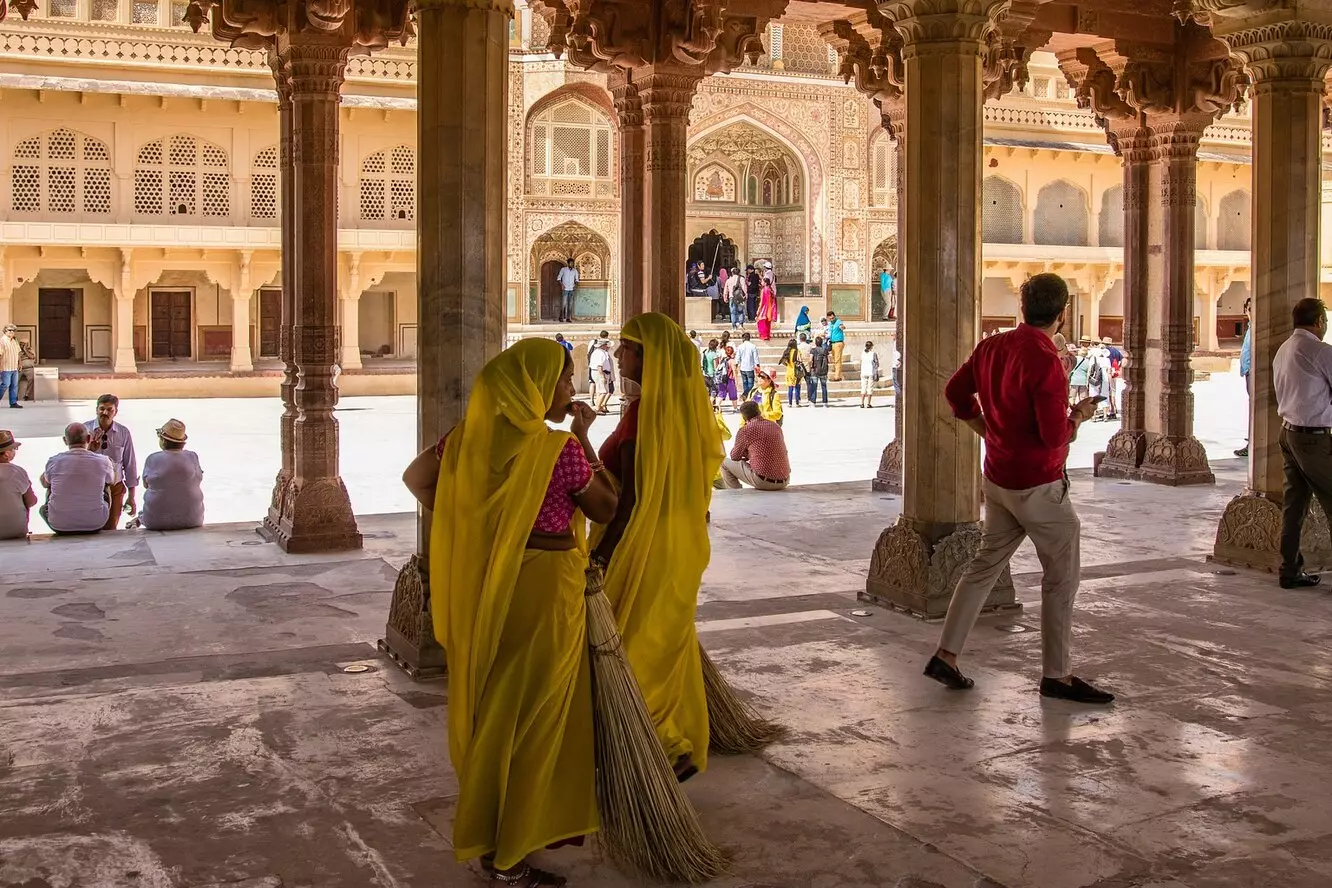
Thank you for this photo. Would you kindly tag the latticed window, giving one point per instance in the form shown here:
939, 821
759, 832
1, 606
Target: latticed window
61, 173
105, 10
571, 151
178, 8
1111, 225
1001, 212
883, 172
182, 176
388, 185
143, 12
1061, 216
61, 8
1199, 224
1233, 230
264, 185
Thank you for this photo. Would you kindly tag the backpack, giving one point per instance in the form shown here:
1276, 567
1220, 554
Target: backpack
818, 361
1095, 374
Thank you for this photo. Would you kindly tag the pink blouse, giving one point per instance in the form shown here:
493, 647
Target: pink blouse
571, 477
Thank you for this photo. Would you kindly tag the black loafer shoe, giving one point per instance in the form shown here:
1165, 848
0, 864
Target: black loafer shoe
1300, 581
946, 675
1076, 690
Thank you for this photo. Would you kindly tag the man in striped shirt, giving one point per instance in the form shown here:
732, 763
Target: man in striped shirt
758, 456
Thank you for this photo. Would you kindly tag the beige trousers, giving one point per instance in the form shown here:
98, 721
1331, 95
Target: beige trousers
735, 471
1046, 515
835, 361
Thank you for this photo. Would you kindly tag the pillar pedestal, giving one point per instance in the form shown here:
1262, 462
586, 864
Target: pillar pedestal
1288, 62
242, 361
912, 572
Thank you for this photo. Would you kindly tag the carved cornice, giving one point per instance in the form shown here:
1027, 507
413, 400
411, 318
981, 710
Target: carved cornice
628, 103
933, 21
869, 51
667, 96
711, 35
1293, 49
24, 8
362, 26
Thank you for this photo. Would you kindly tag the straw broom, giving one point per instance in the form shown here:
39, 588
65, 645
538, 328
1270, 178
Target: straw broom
647, 822
734, 728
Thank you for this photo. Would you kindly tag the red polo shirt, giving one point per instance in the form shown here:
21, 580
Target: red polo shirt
1015, 379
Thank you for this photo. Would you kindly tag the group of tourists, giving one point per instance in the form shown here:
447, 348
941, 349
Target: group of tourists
512, 500
96, 478
1094, 370
739, 298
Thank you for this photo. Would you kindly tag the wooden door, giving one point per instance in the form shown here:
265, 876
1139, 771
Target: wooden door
550, 290
171, 323
270, 322
55, 312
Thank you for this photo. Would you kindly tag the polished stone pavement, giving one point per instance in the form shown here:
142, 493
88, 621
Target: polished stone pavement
173, 713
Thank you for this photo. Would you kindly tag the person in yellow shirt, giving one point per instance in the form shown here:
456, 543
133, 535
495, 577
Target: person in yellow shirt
768, 398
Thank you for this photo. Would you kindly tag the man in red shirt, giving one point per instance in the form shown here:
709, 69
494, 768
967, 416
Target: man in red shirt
1013, 393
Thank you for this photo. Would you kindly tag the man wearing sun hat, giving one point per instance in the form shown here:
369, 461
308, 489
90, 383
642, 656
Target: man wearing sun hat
172, 483
16, 496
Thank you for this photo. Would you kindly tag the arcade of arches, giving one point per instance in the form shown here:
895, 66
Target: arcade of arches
814, 133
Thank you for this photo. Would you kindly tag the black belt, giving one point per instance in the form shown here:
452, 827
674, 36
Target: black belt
770, 480
1306, 430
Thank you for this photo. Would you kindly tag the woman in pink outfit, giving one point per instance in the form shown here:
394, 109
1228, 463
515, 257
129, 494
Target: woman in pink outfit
767, 311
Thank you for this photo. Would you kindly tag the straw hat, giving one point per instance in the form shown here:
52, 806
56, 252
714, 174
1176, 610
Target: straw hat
7, 441
1106, 340
173, 431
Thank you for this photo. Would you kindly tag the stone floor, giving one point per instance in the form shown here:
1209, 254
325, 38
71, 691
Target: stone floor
173, 713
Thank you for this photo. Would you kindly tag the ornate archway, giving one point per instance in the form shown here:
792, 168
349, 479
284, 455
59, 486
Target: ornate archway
883, 306
592, 258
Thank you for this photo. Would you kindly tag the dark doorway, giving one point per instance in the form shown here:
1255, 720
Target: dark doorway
170, 316
270, 322
715, 251
55, 315
550, 290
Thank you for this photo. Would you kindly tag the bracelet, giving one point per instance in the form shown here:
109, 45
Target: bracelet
596, 465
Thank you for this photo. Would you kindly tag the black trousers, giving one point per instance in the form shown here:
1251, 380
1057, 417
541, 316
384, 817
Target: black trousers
1307, 461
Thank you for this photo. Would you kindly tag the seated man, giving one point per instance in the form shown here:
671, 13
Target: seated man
758, 457
172, 497
16, 496
80, 485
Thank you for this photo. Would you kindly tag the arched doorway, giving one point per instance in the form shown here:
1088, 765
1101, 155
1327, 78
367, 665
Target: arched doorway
883, 306
716, 251
591, 256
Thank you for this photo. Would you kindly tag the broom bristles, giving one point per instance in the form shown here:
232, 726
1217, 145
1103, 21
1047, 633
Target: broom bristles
648, 824
734, 728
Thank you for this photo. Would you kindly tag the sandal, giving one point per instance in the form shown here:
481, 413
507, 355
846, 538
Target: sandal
530, 877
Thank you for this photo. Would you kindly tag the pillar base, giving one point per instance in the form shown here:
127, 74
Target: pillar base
1249, 535
316, 517
409, 636
1176, 462
124, 361
889, 477
909, 573
1123, 455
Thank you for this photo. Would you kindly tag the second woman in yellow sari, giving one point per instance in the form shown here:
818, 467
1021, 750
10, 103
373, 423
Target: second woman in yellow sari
664, 453
508, 556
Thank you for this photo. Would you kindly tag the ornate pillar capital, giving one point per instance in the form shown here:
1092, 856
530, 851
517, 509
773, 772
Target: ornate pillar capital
1293, 43
628, 103
944, 21
359, 25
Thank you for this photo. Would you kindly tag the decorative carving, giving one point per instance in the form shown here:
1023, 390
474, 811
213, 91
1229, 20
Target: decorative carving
889, 477
907, 572
24, 8
1176, 462
1123, 454
929, 21
1249, 535
409, 635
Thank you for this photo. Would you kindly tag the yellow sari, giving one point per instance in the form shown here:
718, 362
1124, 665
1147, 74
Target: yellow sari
655, 572
512, 621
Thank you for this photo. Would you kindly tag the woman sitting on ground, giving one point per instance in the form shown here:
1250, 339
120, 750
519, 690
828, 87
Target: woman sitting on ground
664, 454
769, 400
508, 551
172, 483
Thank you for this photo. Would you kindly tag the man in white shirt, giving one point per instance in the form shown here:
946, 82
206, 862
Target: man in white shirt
1302, 378
16, 496
568, 281
747, 359
603, 376
10, 356
78, 484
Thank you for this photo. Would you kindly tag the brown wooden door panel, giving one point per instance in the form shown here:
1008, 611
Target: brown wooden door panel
55, 312
550, 290
270, 322
171, 323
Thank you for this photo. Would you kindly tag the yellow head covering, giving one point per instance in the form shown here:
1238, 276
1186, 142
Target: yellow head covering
493, 477
657, 567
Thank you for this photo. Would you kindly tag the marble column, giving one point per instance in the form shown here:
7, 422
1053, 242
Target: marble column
349, 316
317, 514
666, 96
1173, 455
1287, 62
123, 321
242, 361
917, 562
1137, 149
888, 479
462, 120
287, 217
632, 143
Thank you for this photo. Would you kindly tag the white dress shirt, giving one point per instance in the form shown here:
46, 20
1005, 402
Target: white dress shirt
1302, 376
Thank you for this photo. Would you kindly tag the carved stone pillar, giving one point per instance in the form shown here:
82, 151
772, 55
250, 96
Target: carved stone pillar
1288, 61
123, 327
287, 215
242, 361
629, 111
462, 120
349, 316
889, 477
666, 96
917, 562
1174, 456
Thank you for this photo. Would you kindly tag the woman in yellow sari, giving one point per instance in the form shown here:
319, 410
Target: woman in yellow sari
664, 454
508, 554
